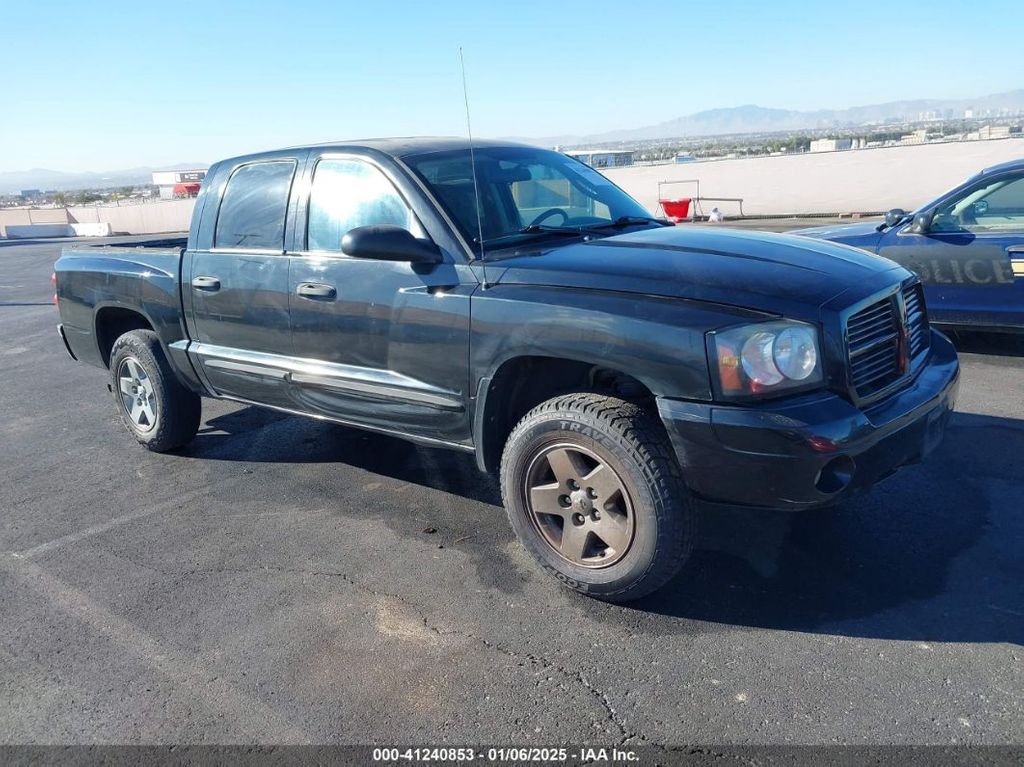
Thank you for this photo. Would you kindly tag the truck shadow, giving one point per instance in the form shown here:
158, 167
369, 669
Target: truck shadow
932, 554
976, 342
261, 435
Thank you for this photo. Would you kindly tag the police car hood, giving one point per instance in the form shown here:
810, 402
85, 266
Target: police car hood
754, 270
864, 233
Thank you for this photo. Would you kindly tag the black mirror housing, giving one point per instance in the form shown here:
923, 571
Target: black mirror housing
894, 216
923, 222
386, 242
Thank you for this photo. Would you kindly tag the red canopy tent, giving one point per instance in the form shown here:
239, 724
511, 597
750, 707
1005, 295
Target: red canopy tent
186, 190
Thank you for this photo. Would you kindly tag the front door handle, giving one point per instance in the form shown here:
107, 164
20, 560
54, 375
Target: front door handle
206, 283
1015, 249
317, 291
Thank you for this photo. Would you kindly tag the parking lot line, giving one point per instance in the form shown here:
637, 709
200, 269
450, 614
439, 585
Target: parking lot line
190, 672
102, 527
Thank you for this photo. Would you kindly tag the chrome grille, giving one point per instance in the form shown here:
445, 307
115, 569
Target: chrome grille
917, 319
873, 347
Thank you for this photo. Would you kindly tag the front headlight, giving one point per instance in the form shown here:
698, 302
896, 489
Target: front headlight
766, 358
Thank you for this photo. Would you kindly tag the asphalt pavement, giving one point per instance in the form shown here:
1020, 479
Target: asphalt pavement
283, 580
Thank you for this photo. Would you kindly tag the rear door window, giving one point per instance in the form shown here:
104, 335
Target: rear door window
255, 204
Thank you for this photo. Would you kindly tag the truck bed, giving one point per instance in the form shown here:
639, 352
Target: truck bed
108, 280
170, 245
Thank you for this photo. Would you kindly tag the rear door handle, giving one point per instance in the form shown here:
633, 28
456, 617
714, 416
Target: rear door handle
206, 283
317, 291
1015, 249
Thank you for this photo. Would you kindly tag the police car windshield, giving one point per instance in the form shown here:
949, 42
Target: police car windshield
524, 193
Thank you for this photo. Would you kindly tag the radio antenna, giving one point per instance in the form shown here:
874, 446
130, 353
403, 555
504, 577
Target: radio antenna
472, 162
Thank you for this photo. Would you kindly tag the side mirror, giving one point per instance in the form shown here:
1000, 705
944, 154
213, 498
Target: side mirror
923, 222
894, 216
389, 243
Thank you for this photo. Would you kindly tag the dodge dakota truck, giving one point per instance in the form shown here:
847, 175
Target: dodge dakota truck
512, 303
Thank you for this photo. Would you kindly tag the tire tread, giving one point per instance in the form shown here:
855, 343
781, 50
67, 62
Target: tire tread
643, 437
180, 408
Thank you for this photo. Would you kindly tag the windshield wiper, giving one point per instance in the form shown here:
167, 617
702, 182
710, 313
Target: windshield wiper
534, 230
573, 231
623, 221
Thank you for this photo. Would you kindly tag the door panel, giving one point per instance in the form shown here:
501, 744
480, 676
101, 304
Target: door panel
968, 278
382, 343
237, 284
248, 313
393, 345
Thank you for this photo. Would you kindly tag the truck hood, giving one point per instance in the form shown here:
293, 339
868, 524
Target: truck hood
863, 234
767, 272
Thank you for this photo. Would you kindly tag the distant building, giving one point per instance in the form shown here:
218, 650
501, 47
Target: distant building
685, 157
178, 183
917, 137
30, 194
831, 144
604, 158
994, 131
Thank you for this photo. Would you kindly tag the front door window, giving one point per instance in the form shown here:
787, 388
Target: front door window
993, 206
347, 194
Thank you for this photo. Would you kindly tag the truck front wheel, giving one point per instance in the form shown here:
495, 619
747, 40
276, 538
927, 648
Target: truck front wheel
594, 492
155, 408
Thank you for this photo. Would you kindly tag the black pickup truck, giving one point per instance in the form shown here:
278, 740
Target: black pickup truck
513, 303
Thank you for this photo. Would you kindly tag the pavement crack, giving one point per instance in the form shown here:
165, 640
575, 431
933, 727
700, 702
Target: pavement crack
522, 658
613, 715
575, 676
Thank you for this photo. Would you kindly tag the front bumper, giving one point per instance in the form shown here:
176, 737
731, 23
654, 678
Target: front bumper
814, 450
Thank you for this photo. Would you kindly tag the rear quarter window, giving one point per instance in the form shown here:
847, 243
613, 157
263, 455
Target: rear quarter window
254, 207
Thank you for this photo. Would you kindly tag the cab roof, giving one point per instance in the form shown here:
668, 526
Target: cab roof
1002, 167
408, 146
398, 148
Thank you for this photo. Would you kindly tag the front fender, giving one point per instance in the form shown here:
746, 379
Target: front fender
658, 341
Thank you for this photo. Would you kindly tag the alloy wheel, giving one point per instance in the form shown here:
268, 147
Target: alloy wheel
579, 505
138, 396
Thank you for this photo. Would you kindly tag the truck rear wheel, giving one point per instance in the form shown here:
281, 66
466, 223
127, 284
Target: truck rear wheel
155, 408
594, 492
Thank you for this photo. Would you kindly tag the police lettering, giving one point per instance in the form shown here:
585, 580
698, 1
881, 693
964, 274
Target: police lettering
972, 271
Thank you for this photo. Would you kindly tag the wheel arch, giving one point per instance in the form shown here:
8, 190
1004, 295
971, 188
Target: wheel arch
520, 383
111, 321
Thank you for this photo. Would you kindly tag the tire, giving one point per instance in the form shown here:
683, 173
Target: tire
604, 556
144, 384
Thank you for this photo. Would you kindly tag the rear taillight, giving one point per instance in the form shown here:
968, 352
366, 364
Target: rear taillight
53, 281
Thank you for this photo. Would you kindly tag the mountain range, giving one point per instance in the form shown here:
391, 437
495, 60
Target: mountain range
749, 118
12, 182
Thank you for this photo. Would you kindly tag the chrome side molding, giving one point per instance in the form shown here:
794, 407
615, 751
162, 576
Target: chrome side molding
328, 375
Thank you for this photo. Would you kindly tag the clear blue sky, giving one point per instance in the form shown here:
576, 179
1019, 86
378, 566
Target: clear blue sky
108, 85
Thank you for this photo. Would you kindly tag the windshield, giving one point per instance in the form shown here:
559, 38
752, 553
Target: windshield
524, 192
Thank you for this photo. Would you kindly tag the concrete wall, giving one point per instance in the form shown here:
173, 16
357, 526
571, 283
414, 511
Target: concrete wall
31, 216
822, 182
149, 218
830, 182
34, 231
